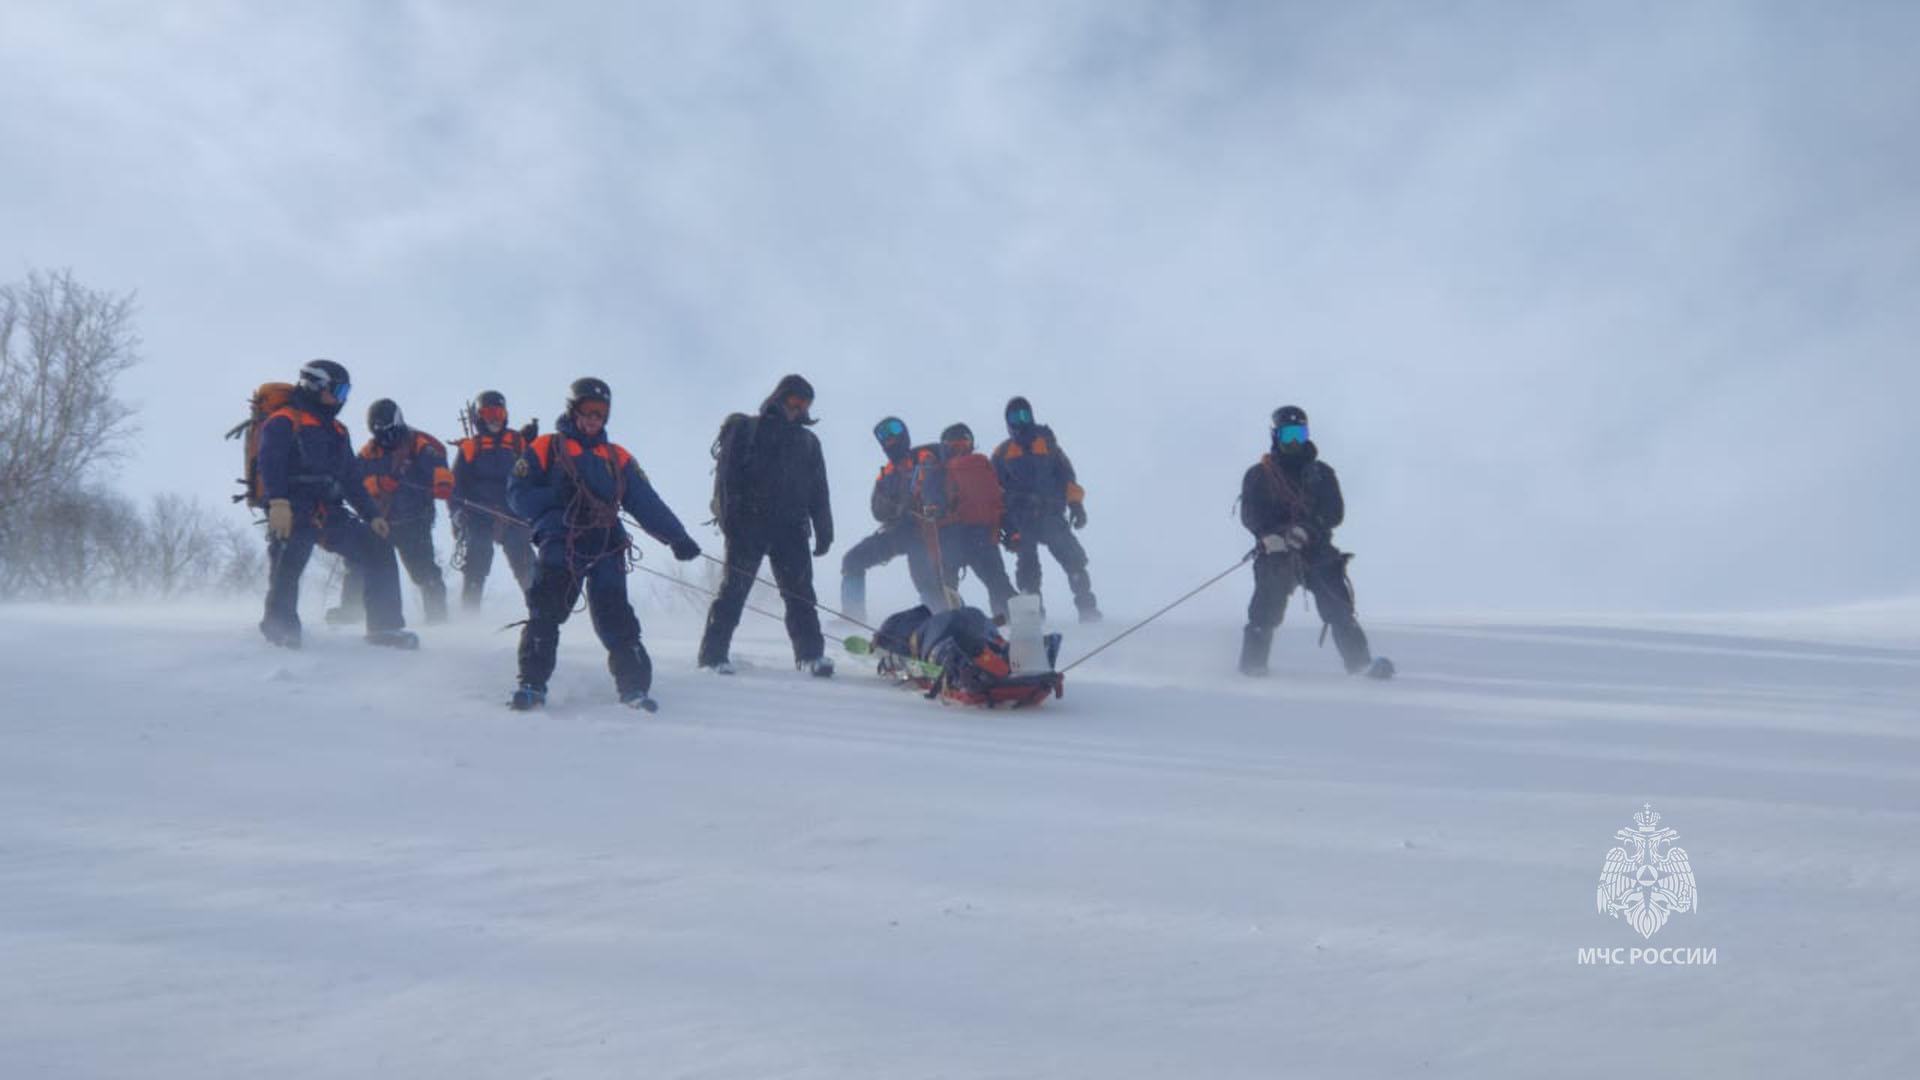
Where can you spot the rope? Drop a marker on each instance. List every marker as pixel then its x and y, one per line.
pixel 789 595
pixel 685 584
pixel 1188 595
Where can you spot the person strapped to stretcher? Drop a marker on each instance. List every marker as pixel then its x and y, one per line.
pixel 960 655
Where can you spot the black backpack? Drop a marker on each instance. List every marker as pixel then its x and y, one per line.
pixel 730 448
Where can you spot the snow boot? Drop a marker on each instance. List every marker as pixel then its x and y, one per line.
pixel 434 599
pixel 281 634
pixel 528 698
pixel 638 699
pixel 1380 668
pixel 394 639
pixel 1256 642
pixel 819 667
pixel 719 667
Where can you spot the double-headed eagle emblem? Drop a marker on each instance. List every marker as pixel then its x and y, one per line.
pixel 1642 883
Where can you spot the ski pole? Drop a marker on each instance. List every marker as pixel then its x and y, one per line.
pixel 1188 595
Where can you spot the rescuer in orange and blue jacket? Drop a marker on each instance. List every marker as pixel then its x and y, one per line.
pixel 900 531
pixel 571 486
pixel 404 470
pixel 482 463
pixel 307 473
pixel 1043 500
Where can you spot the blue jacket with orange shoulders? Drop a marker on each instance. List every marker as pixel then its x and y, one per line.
pixel 569 483
pixel 406 478
pixel 306 458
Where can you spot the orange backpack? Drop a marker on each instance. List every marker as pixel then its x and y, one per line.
pixel 973 492
pixel 267 400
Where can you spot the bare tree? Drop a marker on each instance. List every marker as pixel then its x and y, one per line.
pixel 63 346
pixel 183 548
pixel 243 563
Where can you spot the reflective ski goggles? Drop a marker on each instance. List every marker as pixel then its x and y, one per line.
pixel 1020 416
pixel 889 429
pixel 1287 434
pixel 339 391
pixel 597 410
pixel 493 414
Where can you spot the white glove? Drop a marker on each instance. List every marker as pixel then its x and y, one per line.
pixel 280 518
pixel 1294 539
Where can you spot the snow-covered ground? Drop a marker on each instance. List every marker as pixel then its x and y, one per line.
pixel 220 860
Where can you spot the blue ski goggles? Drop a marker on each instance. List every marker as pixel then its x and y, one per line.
pixel 1290 434
pixel 339 391
pixel 1020 417
pixel 889 429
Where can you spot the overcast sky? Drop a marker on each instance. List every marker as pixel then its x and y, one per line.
pixel 1593 306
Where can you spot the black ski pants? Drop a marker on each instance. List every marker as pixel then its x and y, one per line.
pixel 413 540
pixel 1056 535
pixel 883 547
pixel 1322 573
pixel 476 533
pixel 366 555
pixel 789 548
pixel 973 547
pixel 558 578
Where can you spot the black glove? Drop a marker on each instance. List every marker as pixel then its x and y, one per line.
pixel 821 543
pixel 685 549
pixel 1077 515
pixel 532 430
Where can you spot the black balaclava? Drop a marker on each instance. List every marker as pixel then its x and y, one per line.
pixel 1020 422
pixel 895 445
pixel 385 423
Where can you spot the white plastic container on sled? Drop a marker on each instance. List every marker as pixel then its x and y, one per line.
pixel 1027 647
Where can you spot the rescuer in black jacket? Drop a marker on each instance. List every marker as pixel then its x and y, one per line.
pixel 1290 500
pixel 770 492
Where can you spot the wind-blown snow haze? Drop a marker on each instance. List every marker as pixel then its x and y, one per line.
pixel 1591 307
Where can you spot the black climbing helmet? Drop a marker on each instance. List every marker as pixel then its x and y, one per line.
pixel 489 401
pixel 385 422
pixel 324 376
pixel 589 389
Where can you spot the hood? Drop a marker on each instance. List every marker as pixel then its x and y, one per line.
pixel 792 384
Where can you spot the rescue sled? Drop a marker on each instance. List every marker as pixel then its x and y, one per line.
pixel 972 665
